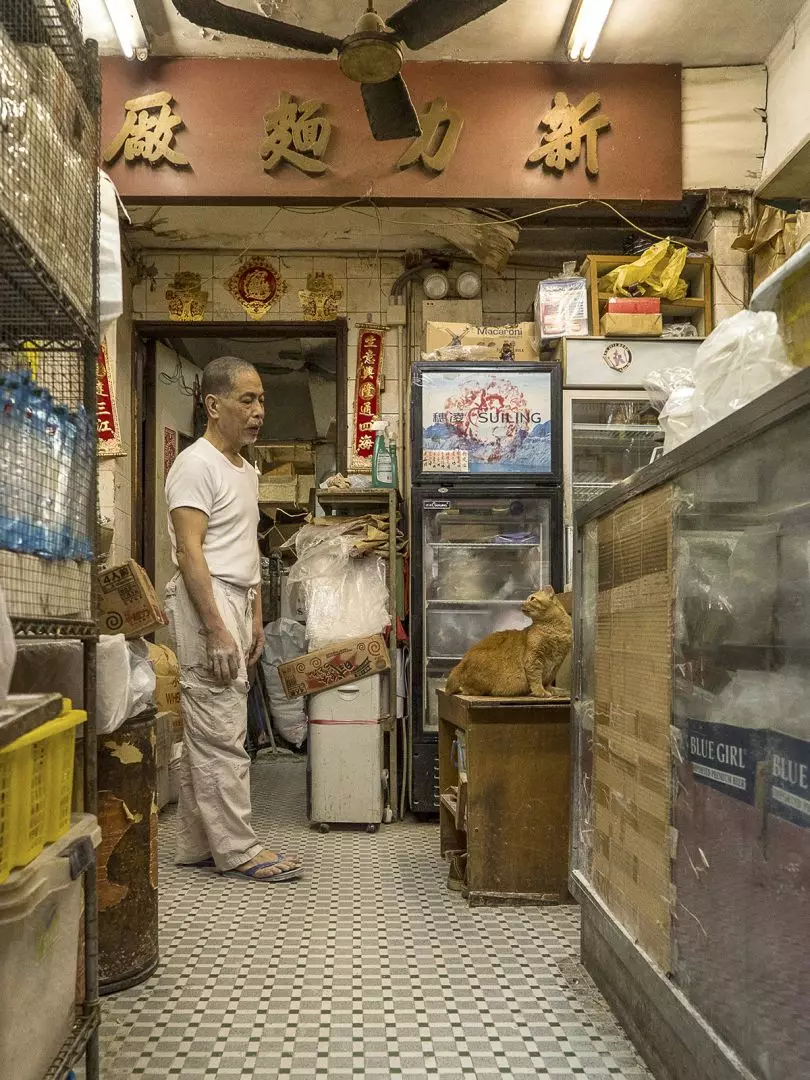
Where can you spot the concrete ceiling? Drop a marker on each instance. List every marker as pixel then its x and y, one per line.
pixel 690 32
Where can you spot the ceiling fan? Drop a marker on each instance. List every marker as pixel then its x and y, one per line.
pixel 371 56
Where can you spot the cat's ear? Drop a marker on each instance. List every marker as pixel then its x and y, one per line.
pixel 549 590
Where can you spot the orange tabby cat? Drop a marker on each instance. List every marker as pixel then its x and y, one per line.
pixel 518 663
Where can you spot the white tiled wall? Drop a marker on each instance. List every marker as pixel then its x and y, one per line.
pixel 364 280
pixel 730 278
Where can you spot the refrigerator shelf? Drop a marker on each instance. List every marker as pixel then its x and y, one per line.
pixel 473 603
pixel 473 544
pixel 652 429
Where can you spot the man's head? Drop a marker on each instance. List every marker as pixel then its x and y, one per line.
pixel 233 395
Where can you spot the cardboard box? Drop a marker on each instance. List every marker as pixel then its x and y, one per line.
pixel 167 679
pixel 617 325
pixel 517 337
pixel 128 602
pixel 342 663
pixel 634 305
pixel 286 490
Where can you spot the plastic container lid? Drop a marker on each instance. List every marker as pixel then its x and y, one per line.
pixel 26 888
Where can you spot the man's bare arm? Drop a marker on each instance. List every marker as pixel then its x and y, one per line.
pixel 190 527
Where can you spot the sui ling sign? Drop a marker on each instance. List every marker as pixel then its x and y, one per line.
pixel 198 128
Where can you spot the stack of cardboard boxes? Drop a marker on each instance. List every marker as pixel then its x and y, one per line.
pixel 130 607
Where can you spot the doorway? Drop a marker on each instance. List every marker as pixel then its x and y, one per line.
pixel 303 366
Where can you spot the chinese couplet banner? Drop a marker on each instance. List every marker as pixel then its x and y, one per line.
pixel 109 441
pixel 370 345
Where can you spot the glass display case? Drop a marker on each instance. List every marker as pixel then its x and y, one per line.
pixel 691 849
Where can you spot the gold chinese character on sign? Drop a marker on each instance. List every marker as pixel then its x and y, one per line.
pixel 365 409
pixel 367 390
pixel 566 130
pixel 365 442
pixel 296 134
pixel 441 130
pixel 148 132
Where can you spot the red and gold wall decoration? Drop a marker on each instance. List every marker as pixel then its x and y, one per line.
pixel 256 285
pixel 109 439
pixel 370 346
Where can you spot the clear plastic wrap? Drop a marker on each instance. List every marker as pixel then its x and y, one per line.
pixel 671 390
pixel 346 597
pixel 458 353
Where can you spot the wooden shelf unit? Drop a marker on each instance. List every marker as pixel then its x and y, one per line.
pixel 696 306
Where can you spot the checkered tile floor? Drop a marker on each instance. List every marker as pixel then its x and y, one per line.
pixel 367 967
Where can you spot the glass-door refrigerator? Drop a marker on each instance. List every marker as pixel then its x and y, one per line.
pixel 486 522
pixel 610 429
pixel 606 437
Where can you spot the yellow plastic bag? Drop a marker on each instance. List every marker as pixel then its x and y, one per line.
pixel 657 272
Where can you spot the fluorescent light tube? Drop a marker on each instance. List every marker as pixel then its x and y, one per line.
pixel 128 28
pixel 588 25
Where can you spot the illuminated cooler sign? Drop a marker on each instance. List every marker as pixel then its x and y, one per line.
pixel 486 422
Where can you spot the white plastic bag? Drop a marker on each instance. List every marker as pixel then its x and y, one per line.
pixel 110 281
pixel 736 363
pixel 143 680
pixel 284 639
pixel 113 683
pixel 8 650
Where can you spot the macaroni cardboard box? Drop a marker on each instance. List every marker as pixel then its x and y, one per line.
pixel 515 341
pixel 335 665
pixel 128 604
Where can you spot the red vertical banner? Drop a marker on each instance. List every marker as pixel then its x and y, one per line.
pixel 109 440
pixel 370 346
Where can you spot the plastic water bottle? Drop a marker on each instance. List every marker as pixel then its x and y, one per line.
pixel 15 461
pixel 36 416
pixel 53 448
pixel 63 507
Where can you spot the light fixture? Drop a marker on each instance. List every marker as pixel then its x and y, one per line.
pixel 468 285
pixel 436 286
pixel 128 28
pixel 588 23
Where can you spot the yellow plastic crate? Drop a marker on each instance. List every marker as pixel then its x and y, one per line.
pixel 36 789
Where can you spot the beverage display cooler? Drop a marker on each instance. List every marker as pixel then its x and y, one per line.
pixel 486 522
pixel 610 429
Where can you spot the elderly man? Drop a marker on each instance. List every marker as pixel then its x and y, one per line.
pixel 214 605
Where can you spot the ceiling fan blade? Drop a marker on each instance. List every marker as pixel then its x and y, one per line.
pixel 390 110
pixel 421 22
pixel 215 16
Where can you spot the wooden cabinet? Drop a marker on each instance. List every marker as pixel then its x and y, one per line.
pixel 504 776
pixel 695 307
